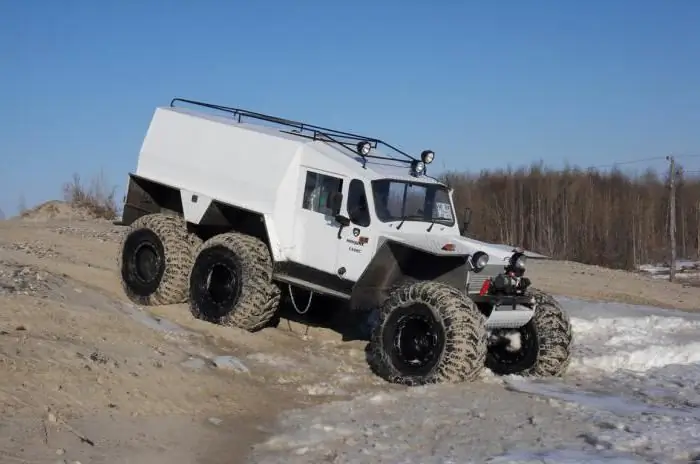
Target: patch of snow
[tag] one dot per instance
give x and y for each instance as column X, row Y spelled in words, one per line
column 514, row 341
column 230, row 363
column 153, row 322
column 685, row 270
column 194, row 363
column 274, row 360
column 322, row 389
column 630, row 396
column 637, row 368
column 651, row 269
column 635, row 343
column 627, row 420
column 679, row 276
column 564, row 456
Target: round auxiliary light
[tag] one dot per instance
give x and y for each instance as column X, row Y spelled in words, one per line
column 427, row 156
column 364, row 147
column 518, row 261
column 479, row 261
column 418, row 167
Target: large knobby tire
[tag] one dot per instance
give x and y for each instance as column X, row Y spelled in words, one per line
column 447, row 325
column 154, row 259
column 231, row 282
column 545, row 343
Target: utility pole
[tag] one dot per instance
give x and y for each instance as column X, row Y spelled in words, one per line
column 698, row 226
column 672, row 215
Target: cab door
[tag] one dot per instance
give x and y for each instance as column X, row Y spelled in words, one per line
column 356, row 240
column 316, row 229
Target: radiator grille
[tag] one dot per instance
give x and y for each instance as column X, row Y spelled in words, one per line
column 477, row 280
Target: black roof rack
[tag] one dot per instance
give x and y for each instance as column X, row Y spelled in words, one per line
column 302, row 129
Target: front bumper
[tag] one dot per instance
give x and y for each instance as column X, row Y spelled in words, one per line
column 505, row 307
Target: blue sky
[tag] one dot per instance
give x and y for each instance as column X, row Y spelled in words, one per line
column 484, row 84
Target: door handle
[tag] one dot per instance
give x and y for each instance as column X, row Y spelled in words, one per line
column 344, row 221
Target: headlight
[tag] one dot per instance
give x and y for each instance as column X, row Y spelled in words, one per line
column 427, row 156
column 363, row 148
column 518, row 262
column 479, row 260
column 418, row 167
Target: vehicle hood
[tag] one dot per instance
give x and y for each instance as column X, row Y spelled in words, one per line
column 433, row 243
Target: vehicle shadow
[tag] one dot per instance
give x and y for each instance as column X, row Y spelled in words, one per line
column 323, row 312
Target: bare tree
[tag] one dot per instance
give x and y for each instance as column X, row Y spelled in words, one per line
column 606, row 218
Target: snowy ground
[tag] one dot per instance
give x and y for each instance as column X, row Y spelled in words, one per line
column 632, row 395
column 685, row 270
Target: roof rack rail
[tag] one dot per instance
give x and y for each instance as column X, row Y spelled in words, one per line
column 302, row 129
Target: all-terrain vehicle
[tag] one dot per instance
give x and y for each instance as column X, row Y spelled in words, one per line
column 228, row 206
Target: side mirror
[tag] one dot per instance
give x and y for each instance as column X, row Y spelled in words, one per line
column 334, row 202
column 467, row 220
column 344, row 221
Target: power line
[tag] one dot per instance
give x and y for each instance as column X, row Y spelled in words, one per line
column 644, row 160
column 688, row 156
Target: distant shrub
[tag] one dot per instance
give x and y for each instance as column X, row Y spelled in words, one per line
column 96, row 198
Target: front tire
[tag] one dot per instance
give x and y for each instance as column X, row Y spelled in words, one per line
column 154, row 259
column 231, row 282
column 544, row 343
column 428, row 332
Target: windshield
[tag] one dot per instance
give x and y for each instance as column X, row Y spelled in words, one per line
column 395, row 200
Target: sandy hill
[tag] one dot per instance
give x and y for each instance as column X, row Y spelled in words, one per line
column 58, row 210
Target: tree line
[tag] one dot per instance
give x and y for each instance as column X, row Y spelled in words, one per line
column 610, row 218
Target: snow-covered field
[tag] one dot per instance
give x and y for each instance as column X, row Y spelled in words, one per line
column 632, row 395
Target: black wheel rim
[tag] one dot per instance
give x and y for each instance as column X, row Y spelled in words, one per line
column 147, row 262
column 416, row 340
column 504, row 359
column 216, row 283
column 222, row 283
column 143, row 263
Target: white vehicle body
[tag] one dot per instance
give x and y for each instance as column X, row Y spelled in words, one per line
column 218, row 160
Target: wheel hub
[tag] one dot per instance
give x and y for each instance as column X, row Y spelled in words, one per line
column 221, row 282
column 147, row 262
column 415, row 341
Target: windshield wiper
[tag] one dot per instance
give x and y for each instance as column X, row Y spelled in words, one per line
column 407, row 216
column 438, row 220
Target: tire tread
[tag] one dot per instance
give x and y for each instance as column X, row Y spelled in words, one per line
column 465, row 334
column 179, row 247
column 260, row 296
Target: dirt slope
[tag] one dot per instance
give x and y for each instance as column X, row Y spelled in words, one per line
column 595, row 282
column 87, row 376
column 74, row 351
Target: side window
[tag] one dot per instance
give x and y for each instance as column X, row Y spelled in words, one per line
column 358, row 209
column 317, row 192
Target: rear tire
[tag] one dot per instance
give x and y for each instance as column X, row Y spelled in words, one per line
column 231, row 282
column 428, row 332
column 545, row 341
column 154, row 259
